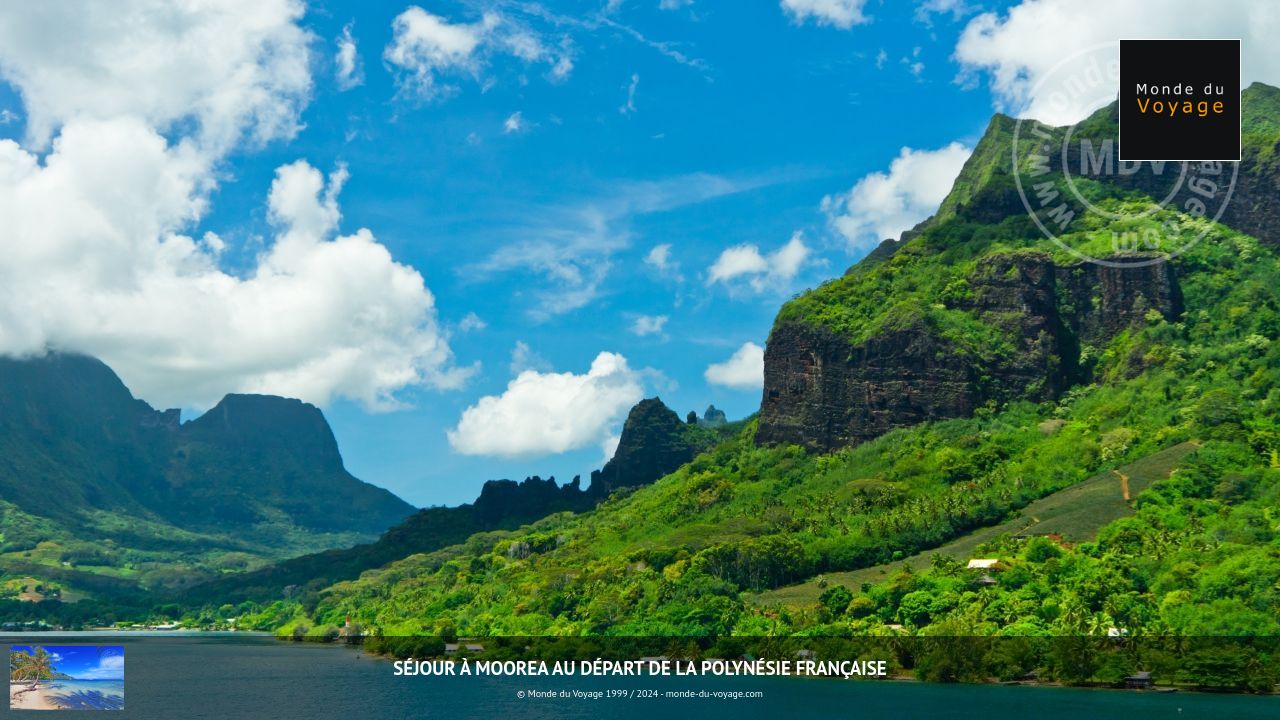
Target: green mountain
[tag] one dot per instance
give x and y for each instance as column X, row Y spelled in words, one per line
column 942, row 386
column 654, row 442
column 99, row 492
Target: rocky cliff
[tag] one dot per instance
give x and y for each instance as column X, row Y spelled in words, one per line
column 969, row 307
column 654, row 442
column 823, row 391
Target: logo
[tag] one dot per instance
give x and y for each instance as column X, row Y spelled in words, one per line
column 1095, row 205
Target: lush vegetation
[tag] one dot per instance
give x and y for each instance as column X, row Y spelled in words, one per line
column 1197, row 552
column 1200, row 554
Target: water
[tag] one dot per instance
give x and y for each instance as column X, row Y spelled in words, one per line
column 86, row 694
column 235, row 677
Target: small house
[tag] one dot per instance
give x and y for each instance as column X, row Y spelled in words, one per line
column 1139, row 681
column 983, row 563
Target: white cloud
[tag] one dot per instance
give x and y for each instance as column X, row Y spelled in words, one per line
column 523, row 358
column 843, row 14
column 648, row 325
column 673, row 4
column 629, row 106
column 110, row 667
column 429, row 52
column 562, row 69
column 761, row 271
column 471, row 322
column 96, row 258
column 7, row 116
column 882, row 205
column 572, row 247
column 881, row 58
column 955, row 8
column 542, row 413
column 914, row 64
column 609, row 446
column 1018, row 50
column 513, row 124
column 348, row 70
column 425, row 46
column 659, row 256
column 744, row 370
column 235, row 68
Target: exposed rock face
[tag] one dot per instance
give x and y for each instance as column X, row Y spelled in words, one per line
column 503, row 501
column 654, row 442
column 1102, row 300
column 823, row 392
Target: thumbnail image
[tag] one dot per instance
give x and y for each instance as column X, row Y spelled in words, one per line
column 66, row 677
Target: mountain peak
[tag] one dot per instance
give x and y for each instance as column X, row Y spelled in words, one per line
column 654, row 442
column 270, row 421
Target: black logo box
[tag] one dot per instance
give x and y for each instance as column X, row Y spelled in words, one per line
column 1191, row 64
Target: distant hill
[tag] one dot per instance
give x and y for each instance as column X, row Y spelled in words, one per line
column 96, row 482
column 654, row 442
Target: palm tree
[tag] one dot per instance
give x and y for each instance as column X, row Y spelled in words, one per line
column 35, row 666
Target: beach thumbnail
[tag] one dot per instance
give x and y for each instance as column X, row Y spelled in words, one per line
column 66, row 677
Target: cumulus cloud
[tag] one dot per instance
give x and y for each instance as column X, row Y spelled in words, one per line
column 546, row 412
column 429, row 52
column 348, row 70
column 744, row 370
column 882, row 205
column 1017, row 50
column 425, row 47
column 96, row 255
column 843, row 14
column 648, row 325
column 514, row 123
column 234, row 68
column 760, row 271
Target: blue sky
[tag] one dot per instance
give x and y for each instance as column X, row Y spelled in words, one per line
column 83, row 662
column 530, row 202
column 476, row 231
column 788, row 113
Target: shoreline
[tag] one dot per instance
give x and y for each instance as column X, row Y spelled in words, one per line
column 20, row 698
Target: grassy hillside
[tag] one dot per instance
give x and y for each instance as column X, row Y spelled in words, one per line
column 1071, row 515
column 1197, row 553
column 677, row 557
